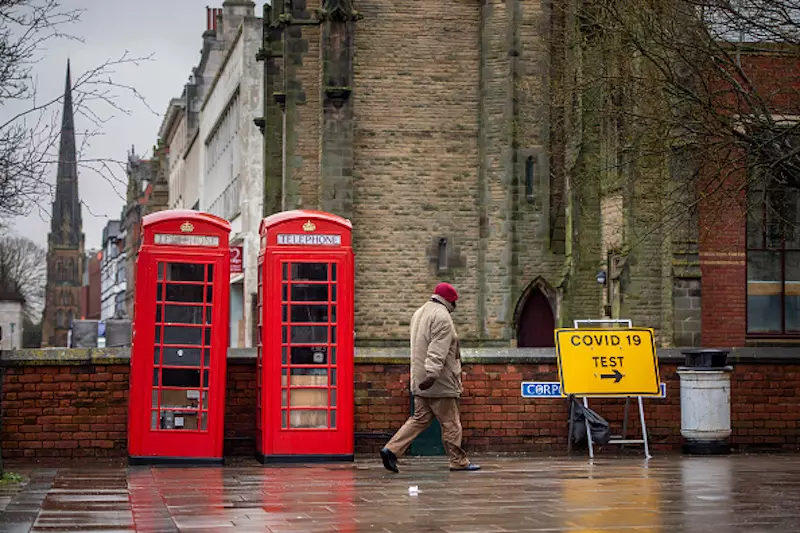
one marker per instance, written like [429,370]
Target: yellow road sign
[607,362]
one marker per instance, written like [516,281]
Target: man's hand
[427,384]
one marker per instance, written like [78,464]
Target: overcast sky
[172,31]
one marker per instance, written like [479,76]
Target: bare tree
[30,126]
[23,269]
[713,85]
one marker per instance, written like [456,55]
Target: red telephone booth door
[310,374]
[183,389]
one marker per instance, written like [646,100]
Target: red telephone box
[180,339]
[305,353]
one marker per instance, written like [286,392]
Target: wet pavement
[718,494]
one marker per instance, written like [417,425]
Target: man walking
[435,381]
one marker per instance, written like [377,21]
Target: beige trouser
[446,412]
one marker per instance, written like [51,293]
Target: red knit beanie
[446,291]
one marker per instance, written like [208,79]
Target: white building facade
[11,320]
[232,157]
[112,272]
[216,150]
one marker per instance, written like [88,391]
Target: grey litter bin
[84,334]
[118,333]
[705,402]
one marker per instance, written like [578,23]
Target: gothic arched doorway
[535,318]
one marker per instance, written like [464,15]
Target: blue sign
[552,389]
[545,389]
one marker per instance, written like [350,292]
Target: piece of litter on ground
[413,490]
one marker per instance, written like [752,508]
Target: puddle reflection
[304,494]
[603,504]
[706,492]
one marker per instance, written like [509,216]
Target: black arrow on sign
[616,376]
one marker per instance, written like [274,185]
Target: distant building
[65,254]
[148,192]
[90,292]
[112,273]
[11,319]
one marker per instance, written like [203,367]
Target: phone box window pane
[309,293]
[182,335]
[309,272]
[309,419]
[185,293]
[183,314]
[309,334]
[178,377]
[309,355]
[309,313]
[182,356]
[185,272]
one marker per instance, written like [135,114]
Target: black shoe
[389,460]
[471,467]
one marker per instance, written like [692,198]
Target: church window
[442,254]
[59,318]
[530,177]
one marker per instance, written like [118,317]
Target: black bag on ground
[601,432]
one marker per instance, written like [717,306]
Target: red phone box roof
[306,229]
[185,227]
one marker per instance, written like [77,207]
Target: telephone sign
[603,362]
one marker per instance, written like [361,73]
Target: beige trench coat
[435,350]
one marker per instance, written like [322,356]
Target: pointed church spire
[66,226]
[65,243]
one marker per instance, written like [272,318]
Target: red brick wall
[765,408]
[240,410]
[81,411]
[721,232]
[65,411]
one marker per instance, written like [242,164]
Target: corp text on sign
[603,362]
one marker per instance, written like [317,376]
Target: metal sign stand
[621,440]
